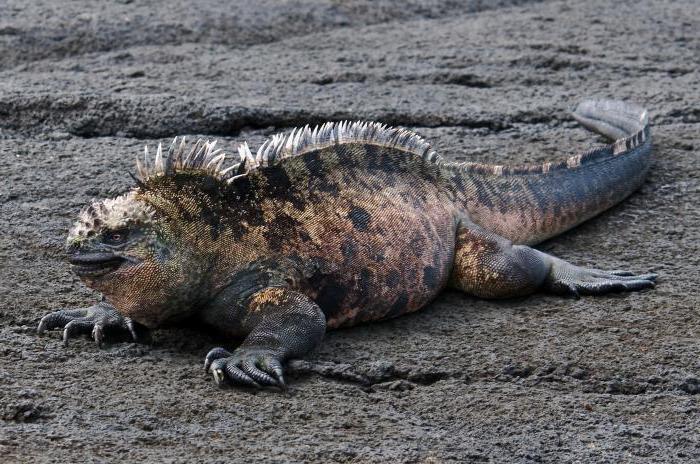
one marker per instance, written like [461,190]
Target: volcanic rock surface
[85,84]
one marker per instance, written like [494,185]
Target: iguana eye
[116,237]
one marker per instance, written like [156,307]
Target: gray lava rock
[85,84]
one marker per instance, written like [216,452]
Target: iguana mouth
[94,264]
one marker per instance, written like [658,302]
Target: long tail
[529,204]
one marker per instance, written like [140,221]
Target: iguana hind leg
[489,266]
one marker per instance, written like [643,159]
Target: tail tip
[594,107]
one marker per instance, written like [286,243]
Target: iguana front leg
[96,320]
[489,266]
[280,324]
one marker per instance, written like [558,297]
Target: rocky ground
[85,84]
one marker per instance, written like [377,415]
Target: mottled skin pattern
[370,232]
[386,230]
[353,231]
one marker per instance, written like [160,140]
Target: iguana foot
[95,320]
[568,279]
[247,366]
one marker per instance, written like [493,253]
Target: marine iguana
[337,225]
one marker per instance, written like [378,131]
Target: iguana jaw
[96,264]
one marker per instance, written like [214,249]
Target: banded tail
[529,204]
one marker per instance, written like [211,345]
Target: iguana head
[124,249]
[154,251]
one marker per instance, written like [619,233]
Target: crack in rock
[381,374]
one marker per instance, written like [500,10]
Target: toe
[224,369]
[59,319]
[623,276]
[250,369]
[603,286]
[639,284]
[213,355]
[273,367]
[608,287]
[131,328]
[619,272]
[76,327]
[566,288]
[256,374]
[573,291]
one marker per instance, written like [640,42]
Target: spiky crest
[305,139]
[628,120]
[180,157]
[618,148]
[203,157]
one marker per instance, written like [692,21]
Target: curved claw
[621,273]
[274,367]
[237,375]
[132,329]
[257,374]
[213,355]
[98,320]
[224,372]
[219,376]
[59,319]
[76,327]
[98,332]
[639,284]
[246,366]
[573,291]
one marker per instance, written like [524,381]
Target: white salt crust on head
[110,214]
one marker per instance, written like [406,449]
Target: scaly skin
[529,204]
[347,224]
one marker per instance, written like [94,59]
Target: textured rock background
[85,84]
